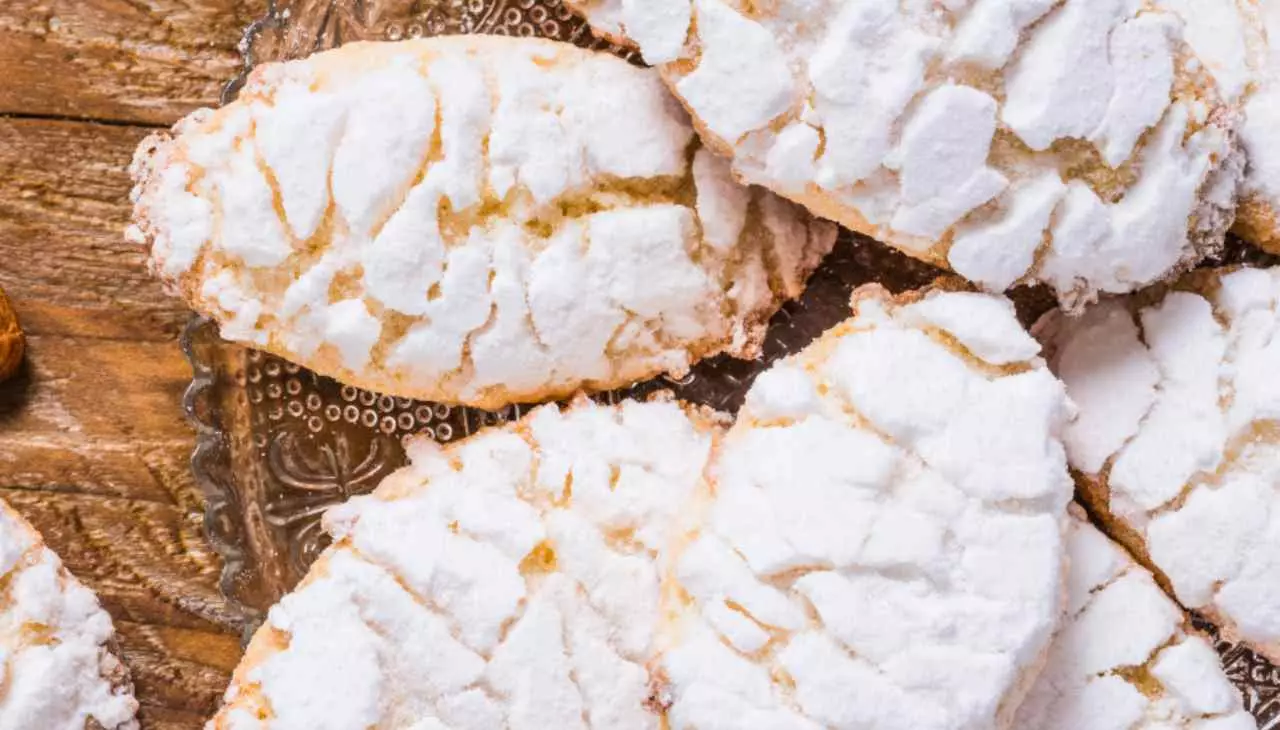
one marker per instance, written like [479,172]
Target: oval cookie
[509,581]
[1176,442]
[882,544]
[57,668]
[1080,144]
[475,220]
[1126,657]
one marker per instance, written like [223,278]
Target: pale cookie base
[1176,444]
[970,150]
[856,564]
[1126,656]
[56,649]
[538,220]
[508,581]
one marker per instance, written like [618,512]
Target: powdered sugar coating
[56,670]
[1177,436]
[479,220]
[883,546]
[509,581]
[970,133]
[1124,659]
[1238,39]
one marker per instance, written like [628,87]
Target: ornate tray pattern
[278,444]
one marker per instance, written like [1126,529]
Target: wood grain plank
[183,692]
[95,452]
[63,209]
[148,473]
[138,61]
[149,563]
[154,573]
[94,449]
[164,718]
[99,393]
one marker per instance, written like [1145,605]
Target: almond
[12,343]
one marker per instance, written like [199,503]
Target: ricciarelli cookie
[56,667]
[474,220]
[1076,143]
[509,581]
[1235,37]
[1126,657]
[881,543]
[1177,441]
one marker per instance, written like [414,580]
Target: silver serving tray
[278,444]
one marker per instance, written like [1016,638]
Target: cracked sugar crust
[1076,143]
[474,220]
[56,667]
[1126,657]
[881,545]
[510,581]
[1177,444]
[1234,38]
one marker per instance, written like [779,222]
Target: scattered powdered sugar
[479,220]
[1124,659]
[978,133]
[509,581]
[55,667]
[883,544]
[1178,402]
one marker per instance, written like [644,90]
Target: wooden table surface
[94,448]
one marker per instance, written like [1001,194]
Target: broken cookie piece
[477,220]
[1077,143]
[881,541]
[1176,443]
[1126,657]
[508,581]
[55,660]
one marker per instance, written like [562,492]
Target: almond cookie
[1126,657]
[1176,444]
[1233,37]
[55,663]
[477,220]
[1076,143]
[508,581]
[882,544]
